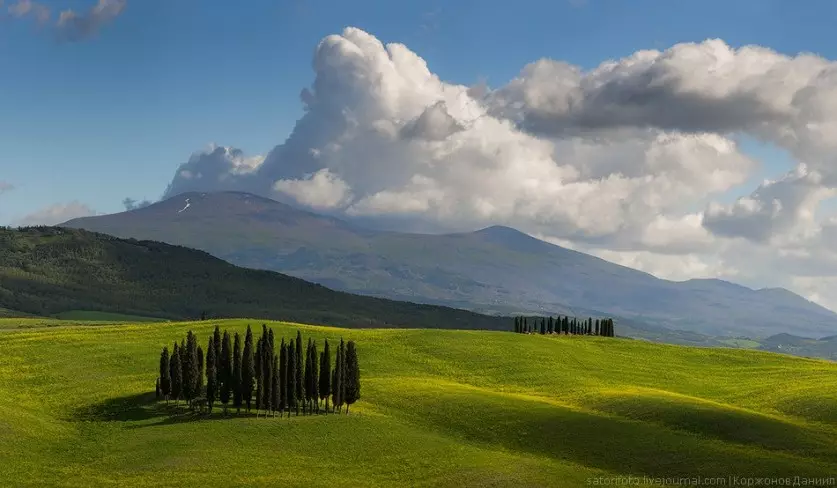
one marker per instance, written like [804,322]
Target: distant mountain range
[493,270]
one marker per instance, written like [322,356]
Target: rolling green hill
[438,408]
[47,271]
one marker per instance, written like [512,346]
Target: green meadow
[437,408]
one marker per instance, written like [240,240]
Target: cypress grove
[286,379]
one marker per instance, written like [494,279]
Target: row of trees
[564,325]
[272,379]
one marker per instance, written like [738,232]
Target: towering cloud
[631,157]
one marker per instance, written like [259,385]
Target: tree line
[564,325]
[259,375]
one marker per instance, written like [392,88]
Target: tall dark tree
[211,375]
[236,373]
[306,377]
[550,325]
[325,375]
[176,373]
[191,370]
[248,369]
[525,328]
[312,387]
[225,370]
[157,391]
[283,376]
[216,341]
[267,370]
[275,388]
[338,383]
[200,371]
[543,326]
[597,327]
[257,360]
[291,392]
[352,378]
[165,378]
[300,374]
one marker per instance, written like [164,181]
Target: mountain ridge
[493,269]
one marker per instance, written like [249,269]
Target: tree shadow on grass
[145,406]
[131,408]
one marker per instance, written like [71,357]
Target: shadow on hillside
[144,406]
[618,444]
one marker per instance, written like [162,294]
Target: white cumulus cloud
[627,160]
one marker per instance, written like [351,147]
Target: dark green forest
[48,270]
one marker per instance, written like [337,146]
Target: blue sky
[112,116]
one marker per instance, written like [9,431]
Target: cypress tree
[549,325]
[165,379]
[200,370]
[236,373]
[248,369]
[257,361]
[325,375]
[525,328]
[157,391]
[225,370]
[275,387]
[211,375]
[186,368]
[335,382]
[176,373]
[300,385]
[191,380]
[352,376]
[315,376]
[307,376]
[339,382]
[291,392]
[216,341]
[267,371]
[596,329]
[283,376]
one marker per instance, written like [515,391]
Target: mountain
[45,271]
[492,270]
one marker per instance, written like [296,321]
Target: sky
[689,139]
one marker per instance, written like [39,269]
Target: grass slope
[47,271]
[94,316]
[439,408]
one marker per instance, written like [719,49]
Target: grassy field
[438,408]
[94,316]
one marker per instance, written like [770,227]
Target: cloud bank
[628,160]
[56,214]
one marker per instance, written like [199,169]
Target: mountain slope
[494,269]
[46,271]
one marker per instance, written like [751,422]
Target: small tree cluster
[564,325]
[287,378]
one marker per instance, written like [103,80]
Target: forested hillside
[47,270]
